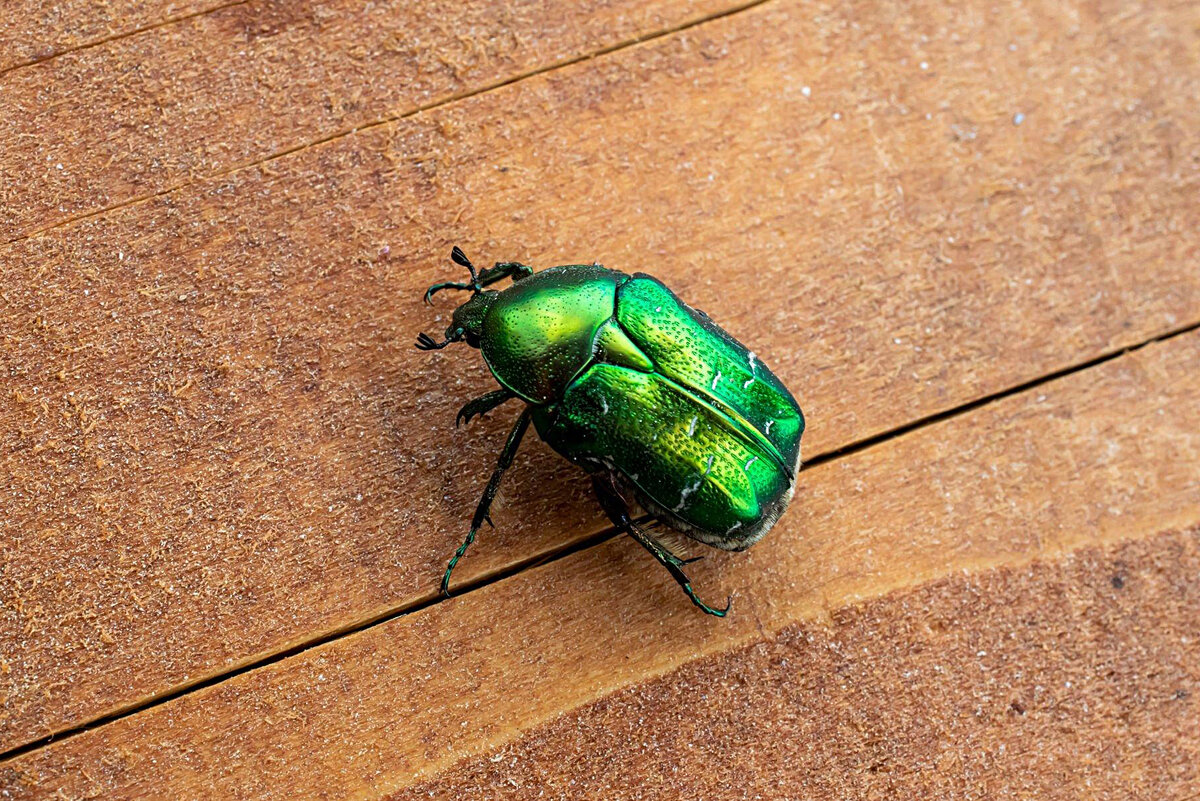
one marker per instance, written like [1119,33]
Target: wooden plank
[33,30]
[105,126]
[1063,680]
[221,444]
[1102,456]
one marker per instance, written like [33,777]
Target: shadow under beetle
[646,394]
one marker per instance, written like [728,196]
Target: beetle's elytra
[646,394]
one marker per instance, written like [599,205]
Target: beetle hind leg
[618,512]
[672,564]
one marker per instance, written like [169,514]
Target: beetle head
[467,323]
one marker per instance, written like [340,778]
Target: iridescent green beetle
[648,395]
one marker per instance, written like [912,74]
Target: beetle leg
[489,493]
[618,512]
[482,405]
[668,561]
[433,290]
[502,270]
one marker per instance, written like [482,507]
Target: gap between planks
[445,101]
[116,37]
[586,543]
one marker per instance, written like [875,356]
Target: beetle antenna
[426,342]
[460,258]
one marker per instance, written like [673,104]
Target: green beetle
[648,395]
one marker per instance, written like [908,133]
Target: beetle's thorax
[540,333]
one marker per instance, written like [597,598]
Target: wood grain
[33,30]
[1102,456]
[221,444]
[1062,680]
[137,116]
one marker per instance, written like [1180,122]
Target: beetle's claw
[708,609]
[691,593]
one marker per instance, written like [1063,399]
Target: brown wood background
[964,234]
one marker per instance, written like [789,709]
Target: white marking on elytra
[686,491]
[603,406]
[768,427]
[753,362]
[708,466]
[658,308]
[716,378]
[752,461]
[692,427]
[748,382]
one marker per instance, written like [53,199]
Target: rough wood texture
[98,128]
[1070,680]
[1102,456]
[221,443]
[32,30]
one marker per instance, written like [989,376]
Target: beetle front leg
[489,493]
[504,269]
[618,512]
[482,405]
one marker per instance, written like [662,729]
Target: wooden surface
[1011,683]
[220,446]
[34,30]
[111,124]
[1102,456]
